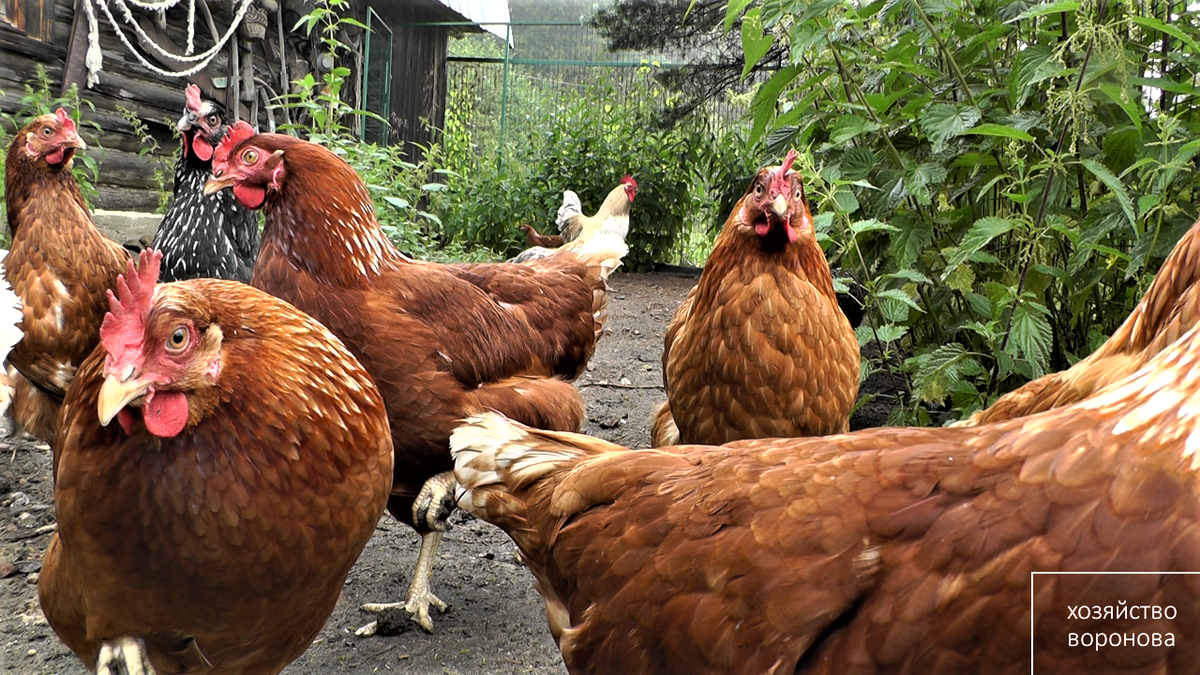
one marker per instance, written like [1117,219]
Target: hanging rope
[94,58]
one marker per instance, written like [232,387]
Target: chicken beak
[115,395]
[187,121]
[216,184]
[779,206]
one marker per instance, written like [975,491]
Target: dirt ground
[496,623]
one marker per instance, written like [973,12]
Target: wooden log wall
[418,100]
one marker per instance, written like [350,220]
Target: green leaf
[871,226]
[943,121]
[981,233]
[1155,24]
[763,104]
[909,275]
[900,296]
[1032,336]
[1000,130]
[1042,10]
[1126,103]
[396,202]
[891,333]
[962,279]
[1114,184]
[754,43]
[938,371]
[910,241]
[733,11]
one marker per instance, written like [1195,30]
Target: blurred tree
[714,57]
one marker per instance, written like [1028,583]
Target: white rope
[94,57]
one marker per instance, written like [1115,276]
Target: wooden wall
[418,73]
[418,89]
[126,179]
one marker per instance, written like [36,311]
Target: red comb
[779,180]
[193,98]
[125,324]
[236,134]
[65,120]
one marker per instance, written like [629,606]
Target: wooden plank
[75,71]
[14,41]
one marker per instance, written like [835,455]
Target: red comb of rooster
[779,180]
[125,324]
[628,180]
[237,133]
[193,98]
[65,120]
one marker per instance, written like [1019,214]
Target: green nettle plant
[1005,177]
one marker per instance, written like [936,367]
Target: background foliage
[1005,176]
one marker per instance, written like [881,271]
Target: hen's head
[775,208]
[630,187]
[164,352]
[244,160]
[202,126]
[52,139]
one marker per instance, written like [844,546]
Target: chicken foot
[433,506]
[419,596]
[124,656]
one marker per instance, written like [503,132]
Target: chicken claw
[124,656]
[435,502]
[419,596]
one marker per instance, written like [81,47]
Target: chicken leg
[124,656]
[433,506]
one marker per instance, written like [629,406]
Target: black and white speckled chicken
[204,237]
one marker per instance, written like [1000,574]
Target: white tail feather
[570,208]
[11,316]
[491,450]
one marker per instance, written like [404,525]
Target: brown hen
[211,530]
[60,266]
[760,348]
[899,550]
[441,341]
[1170,308]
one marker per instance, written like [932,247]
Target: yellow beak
[77,143]
[215,185]
[115,395]
[779,206]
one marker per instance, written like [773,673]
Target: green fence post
[504,91]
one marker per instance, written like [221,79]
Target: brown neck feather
[27,179]
[323,219]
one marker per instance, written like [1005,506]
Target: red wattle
[250,196]
[166,413]
[791,231]
[761,229]
[203,150]
[55,157]
[125,418]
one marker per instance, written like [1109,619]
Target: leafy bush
[586,145]
[1004,175]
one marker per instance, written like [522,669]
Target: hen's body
[60,266]
[1170,308]
[441,341]
[229,543]
[885,551]
[759,348]
[205,237]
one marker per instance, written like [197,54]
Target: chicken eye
[758,189]
[797,197]
[250,157]
[178,339]
[213,119]
[47,131]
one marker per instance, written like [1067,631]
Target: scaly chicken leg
[433,506]
[124,656]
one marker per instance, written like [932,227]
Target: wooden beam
[75,71]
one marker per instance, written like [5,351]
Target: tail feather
[496,461]
[571,207]
[542,403]
[11,316]
[664,431]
